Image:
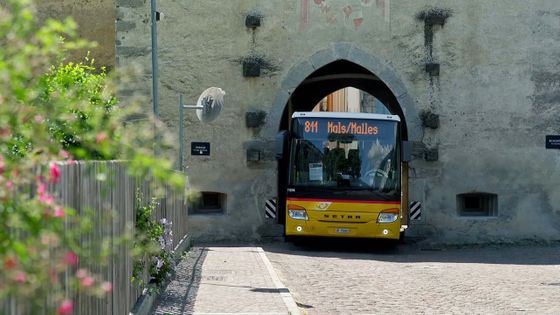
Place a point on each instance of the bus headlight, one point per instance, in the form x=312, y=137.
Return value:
x=297, y=212
x=388, y=216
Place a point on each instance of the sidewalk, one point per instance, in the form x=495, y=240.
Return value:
x=225, y=280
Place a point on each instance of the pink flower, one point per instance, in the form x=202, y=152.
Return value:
x=64, y=154
x=100, y=137
x=39, y=119
x=106, y=287
x=46, y=199
x=2, y=165
x=41, y=187
x=87, y=282
x=66, y=307
x=55, y=174
x=71, y=258
x=20, y=277
x=58, y=212
x=81, y=273
x=10, y=184
x=72, y=162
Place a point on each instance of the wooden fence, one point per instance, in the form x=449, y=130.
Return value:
x=104, y=189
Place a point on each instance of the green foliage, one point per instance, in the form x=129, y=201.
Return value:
x=88, y=86
x=84, y=82
x=48, y=114
x=151, y=254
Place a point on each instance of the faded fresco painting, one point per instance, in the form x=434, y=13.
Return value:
x=351, y=14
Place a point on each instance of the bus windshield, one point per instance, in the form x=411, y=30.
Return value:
x=345, y=154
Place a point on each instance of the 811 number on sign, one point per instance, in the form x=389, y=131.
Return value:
x=311, y=126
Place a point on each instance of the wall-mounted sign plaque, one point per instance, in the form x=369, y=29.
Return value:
x=200, y=148
x=553, y=142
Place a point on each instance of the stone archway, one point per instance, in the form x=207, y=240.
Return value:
x=352, y=53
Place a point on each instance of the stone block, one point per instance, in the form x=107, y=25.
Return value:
x=379, y=67
x=255, y=119
x=341, y=50
x=251, y=68
x=297, y=74
x=322, y=58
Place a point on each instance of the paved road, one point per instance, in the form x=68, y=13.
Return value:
x=409, y=280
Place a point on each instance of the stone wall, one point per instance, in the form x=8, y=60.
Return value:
x=96, y=22
x=488, y=70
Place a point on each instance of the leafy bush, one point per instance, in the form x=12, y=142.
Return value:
x=51, y=114
x=85, y=82
x=81, y=82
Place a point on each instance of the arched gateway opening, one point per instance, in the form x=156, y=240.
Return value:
x=310, y=95
x=336, y=76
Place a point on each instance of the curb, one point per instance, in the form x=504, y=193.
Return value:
x=284, y=292
x=144, y=304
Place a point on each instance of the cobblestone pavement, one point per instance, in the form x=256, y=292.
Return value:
x=225, y=280
x=409, y=280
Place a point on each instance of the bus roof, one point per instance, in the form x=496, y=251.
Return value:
x=345, y=115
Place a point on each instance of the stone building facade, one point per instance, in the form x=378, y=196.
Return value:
x=477, y=83
x=96, y=23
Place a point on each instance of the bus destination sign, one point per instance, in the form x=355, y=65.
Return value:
x=340, y=127
x=553, y=142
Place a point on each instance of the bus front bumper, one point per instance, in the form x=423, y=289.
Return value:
x=370, y=229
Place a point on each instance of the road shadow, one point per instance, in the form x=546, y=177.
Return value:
x=529, y=253
x=179, y=295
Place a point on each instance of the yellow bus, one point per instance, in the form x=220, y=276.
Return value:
x=344, y=177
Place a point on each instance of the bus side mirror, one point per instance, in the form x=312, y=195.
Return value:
x=281, y=141
x=406, y=148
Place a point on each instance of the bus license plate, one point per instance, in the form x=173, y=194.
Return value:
x=342, y=230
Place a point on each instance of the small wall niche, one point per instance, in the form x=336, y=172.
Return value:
x=208, y=202
x=477, y=205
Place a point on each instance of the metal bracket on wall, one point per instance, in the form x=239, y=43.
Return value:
x=431, y=155
x=432, y=69
x=430, y=119
x=208, y=107
x=255, y=119
x=253, y=20
x=251, y=68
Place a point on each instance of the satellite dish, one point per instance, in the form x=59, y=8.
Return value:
x=210, y=104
